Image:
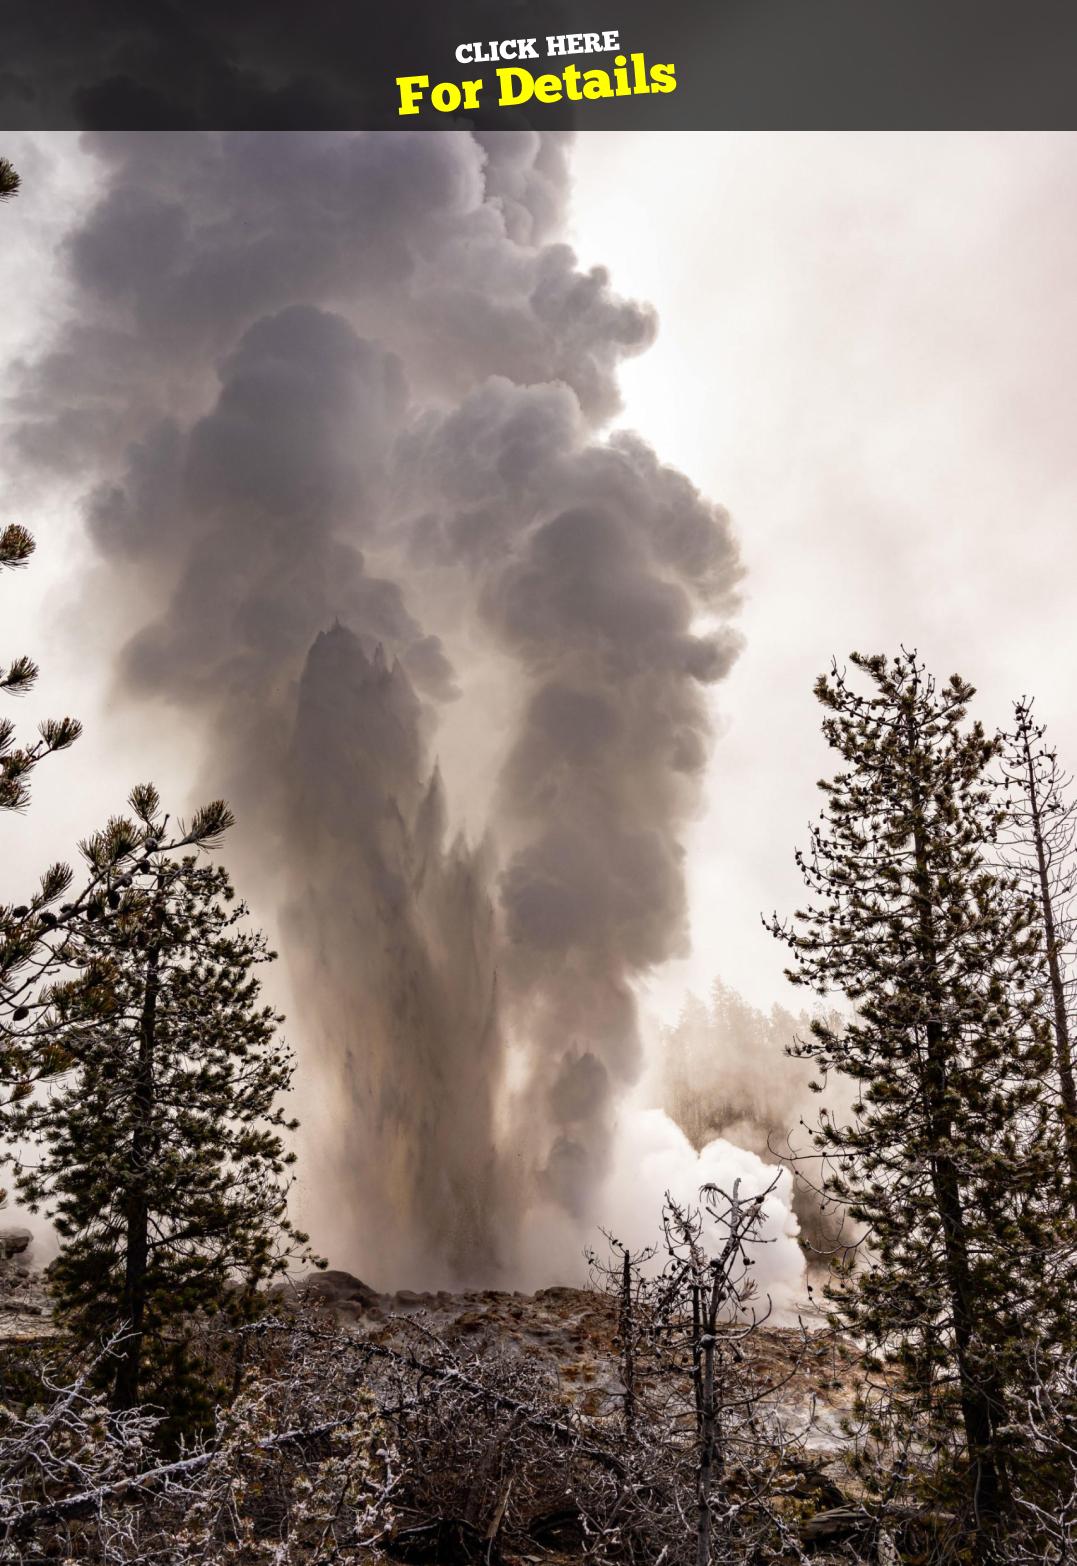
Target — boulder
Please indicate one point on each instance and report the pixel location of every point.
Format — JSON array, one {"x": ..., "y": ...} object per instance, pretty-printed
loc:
[
  {"x": 407, "y": 1299},
  {"x": 14, "y": 1241},
  {"x": 340, "y": 1288}
]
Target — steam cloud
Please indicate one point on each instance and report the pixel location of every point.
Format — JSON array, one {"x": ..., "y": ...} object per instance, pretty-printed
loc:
[
  {"x": 342, "y": 397},
  {"x": 726, "y": 1079}
]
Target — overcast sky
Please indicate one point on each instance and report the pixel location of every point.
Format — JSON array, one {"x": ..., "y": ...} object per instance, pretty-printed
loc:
[{"x": 867, "y": 352}]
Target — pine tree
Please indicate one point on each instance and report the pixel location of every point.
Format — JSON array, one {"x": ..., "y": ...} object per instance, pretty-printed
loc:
[
  {"x": 28, "y": 931},
  {"x": 19, "y": 677},
  {"x": 26, "y": 942},
  {"x": 948, "y": 1160},
  {"x": 16, "y": 547},
  {"x": 1040, "y": 843},
  {"x": 158, "y": 1149}
]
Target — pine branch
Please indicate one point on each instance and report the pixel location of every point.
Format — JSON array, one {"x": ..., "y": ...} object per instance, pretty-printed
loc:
[{"x": 16, "y": 543}]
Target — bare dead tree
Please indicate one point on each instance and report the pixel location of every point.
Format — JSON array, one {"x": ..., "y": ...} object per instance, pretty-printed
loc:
[
  {"x": 623, "y": 1274},
  {"x": 720, "y": 1293},
  {"x": 490, "y": 1455},
  {"x": 298, "y": 1469},
  {"x": 1045, "y": 1422},
  {"x": 343, "y": 1445},
  {"x": 710, "y": 1462},
  {"x": 1040, "y": 843}
]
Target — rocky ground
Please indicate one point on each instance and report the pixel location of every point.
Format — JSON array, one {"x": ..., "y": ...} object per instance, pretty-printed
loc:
[
  {"x": 25, "y": 1313},
  {"x": 573, "y": 1330}
]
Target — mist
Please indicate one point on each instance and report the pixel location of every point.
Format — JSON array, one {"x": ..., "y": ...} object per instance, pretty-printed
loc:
[{"x": 336, "y": 408}]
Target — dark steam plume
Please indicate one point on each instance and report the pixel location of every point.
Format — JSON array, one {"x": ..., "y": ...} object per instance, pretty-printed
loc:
[{"x": 340, "y": 398}]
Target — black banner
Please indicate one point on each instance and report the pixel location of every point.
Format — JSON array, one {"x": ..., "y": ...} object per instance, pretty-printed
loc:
[{"x": 595, "y": 65}]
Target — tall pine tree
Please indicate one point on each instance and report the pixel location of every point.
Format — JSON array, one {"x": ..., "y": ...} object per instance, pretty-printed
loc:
[
  {"x": 158, "y": 1148},
  {"x": 949, "y": 1160}
]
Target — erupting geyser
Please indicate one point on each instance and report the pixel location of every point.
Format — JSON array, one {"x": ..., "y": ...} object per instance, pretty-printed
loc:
[
  {"x": 390, "y": 931},
  {"x": 342, "y": 397}
]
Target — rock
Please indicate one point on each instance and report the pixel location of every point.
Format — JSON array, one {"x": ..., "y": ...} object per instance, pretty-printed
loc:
[
  {"x": 562, "y": 1295},
  {"x": 340, "y": 1288},
  {"x": 14, "y": 1241},
  {"x": 407, "y": 1299},
  {"x": 470, "y": 1321}
]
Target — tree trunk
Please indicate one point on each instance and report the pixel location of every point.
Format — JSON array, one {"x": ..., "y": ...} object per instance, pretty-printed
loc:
[
  {"x": 1063, "y": 1049},
  {"x": 980, "y": 1409},
  {"x": 133, "y": 1303},
  {"x": 706, "y": 1448},
  {"x": 628, "y": 1345}
]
